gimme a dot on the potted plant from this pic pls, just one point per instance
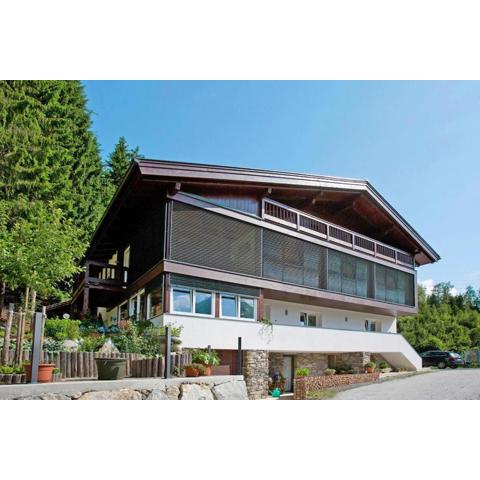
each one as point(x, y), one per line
point(57, 375)
point(175, 336)
point(370, 367)
point(45, 371)
point(384, 367)
point(207, 358)
point(111, 368)
point(329, 371)
point(302, 372)
point(195, 370)
point(6, 374)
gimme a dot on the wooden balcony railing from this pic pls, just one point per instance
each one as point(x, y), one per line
point(105, 274)
point(292, 218)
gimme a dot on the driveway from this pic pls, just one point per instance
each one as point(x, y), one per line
point(459, 384)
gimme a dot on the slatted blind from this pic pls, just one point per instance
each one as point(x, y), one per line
point(292, 260)
point(204, 238)
point(206, 284)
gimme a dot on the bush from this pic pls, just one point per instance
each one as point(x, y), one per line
point(7, 369)
point(302, 372)
point(51, 345)
point(329, 371)
point(205, 357)
point(344, 368)
point(92, 343)
point(383, 365)
point(370, 365)
point(61, 329)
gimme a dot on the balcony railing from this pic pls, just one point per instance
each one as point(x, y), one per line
point(292, 218)
point(105, 274)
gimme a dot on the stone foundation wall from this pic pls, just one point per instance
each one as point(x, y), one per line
point(255, 372)
point(275, 363)
point(356, 359)
point(303, 385)
point(316, 362)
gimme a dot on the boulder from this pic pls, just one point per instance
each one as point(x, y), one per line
point(123, 394)
point(191, 391)
point(108, 347)
point(157, 394)
point(173, 392)
point(70, 345)
point(235, 390)
point(54, 396)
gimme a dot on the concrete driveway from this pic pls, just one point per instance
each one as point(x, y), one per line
point(459, 384)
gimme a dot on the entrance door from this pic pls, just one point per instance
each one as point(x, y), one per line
point(287, 372)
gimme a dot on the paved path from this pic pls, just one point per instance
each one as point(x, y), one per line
point(459, 384)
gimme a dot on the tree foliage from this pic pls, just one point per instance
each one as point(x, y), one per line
point(444, 321)
point(119, 161)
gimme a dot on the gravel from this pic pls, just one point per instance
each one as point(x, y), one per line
point(459, 384)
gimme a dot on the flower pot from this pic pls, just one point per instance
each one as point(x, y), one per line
point(7, 378)
point(111, 368)
point(45, 371)
point(208, 371)
point(17, 378)
point(191, 372)
point(370, 369)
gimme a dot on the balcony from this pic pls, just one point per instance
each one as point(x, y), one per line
point(223, 334)
point(278, 213)
point(103, 275)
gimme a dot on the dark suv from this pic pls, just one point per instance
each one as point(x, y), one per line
point(439, 359)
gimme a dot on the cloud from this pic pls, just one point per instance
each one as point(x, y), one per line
point(430, 283)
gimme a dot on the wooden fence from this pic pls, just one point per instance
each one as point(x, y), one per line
point(155, 367)
point(74, 365)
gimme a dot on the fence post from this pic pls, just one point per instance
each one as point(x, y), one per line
point(36, 345)
point(6, 339)
point(239, 357)
point(168, 360)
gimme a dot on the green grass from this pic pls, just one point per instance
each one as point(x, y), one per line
point(321, 394)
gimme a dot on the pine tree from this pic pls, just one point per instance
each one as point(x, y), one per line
point(49, 160)
point(119, 161)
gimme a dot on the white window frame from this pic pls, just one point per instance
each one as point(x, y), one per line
point(237, 306)
point(318, 319)
point(193, 292)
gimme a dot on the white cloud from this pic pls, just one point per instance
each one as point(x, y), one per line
point(430, 283)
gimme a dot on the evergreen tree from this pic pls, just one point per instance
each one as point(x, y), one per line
point(119, 161)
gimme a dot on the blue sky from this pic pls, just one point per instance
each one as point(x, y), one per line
point(417, 142)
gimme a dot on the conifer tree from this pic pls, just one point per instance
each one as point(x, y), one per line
point(119, 161)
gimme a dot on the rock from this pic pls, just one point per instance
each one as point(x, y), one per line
point(53, 396)
point(235, 390)
point(108, 347)
point(157, 394)
point(123, 394)
point(195, 392)
point(70, 345)
point(173, 392)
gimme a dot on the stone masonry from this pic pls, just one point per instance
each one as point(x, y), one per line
point(255, 372)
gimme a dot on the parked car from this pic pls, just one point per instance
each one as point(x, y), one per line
point(437, 358)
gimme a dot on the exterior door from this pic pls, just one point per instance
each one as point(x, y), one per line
point(287, 372)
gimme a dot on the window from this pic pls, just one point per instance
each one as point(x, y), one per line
point(235, 306)
point(203, 302)
point(348, 274)
point(247, 307)
point(155, 302)
point(126, 263)
point(132, 311)
point(229, 306)
point(182, 300)
point(371, 326)
point(308, 319)
point(185, 300)
point(123, 312)
point(141, 305)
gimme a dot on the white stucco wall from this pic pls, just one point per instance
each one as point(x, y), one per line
point(287, 313)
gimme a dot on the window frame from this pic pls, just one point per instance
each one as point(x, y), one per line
point(193, 301)
point(238, 299)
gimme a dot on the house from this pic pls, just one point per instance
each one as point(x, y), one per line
point(310, 271)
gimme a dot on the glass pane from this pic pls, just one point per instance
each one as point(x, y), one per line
point(182, 301)
point(229, 306)
point(247, 307)
point(141, 312)
point(312, 320)
point(155, 303)
point(203, 303)
point(303, 319)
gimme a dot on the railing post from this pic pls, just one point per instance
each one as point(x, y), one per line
point(36, 345)
point(168, 359)
point(239, 357)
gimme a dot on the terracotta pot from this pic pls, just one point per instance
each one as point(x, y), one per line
point(45, 371)
point(370, 369)
point(191, 372)
point(208, 370)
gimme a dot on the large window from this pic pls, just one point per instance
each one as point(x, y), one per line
point(393, 286)
point(236, 306)
point(348, 274)
point(185, 300)
point(155, 302)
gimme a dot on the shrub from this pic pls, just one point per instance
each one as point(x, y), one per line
point(329, 371)
point(92, 343)
point(62, 329)
point(344, 368)
point(7, 369)
point(205, 357)
point(383, 365)
point(57, 370)
point(302, 372)
point(370, 365)
point(51, 345)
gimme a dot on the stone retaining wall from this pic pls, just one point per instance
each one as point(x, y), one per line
point(204, 388)
point(255, 372)
point(303, 385)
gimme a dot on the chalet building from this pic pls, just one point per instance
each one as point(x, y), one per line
point(308, 270)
